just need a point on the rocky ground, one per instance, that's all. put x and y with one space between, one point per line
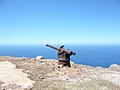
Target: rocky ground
47 75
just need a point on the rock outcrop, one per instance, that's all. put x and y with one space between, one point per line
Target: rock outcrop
13 78
114 67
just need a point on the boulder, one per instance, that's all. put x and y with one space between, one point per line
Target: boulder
115 67
39 57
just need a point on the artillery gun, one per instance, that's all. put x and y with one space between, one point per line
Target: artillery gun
63 55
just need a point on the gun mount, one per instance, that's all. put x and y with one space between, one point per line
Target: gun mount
63 55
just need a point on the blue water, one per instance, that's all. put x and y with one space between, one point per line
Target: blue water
89 55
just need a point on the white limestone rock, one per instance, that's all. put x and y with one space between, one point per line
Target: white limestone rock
13 78
114 67
39 57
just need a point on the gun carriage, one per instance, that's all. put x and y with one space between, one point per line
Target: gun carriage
63 55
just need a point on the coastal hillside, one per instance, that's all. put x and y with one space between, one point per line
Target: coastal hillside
17 73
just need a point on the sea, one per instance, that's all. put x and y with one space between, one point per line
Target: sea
93 55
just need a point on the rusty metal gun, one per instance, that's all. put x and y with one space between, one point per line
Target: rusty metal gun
63 55
61 49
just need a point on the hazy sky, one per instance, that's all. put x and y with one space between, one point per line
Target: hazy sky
36 22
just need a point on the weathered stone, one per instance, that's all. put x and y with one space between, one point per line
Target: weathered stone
60 66
13 77
115 67
39 57
98 67
41 77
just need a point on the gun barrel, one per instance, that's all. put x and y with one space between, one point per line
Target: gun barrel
52 47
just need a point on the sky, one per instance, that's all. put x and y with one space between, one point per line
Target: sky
36 22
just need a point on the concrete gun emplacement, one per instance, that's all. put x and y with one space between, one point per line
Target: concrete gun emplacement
63 55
